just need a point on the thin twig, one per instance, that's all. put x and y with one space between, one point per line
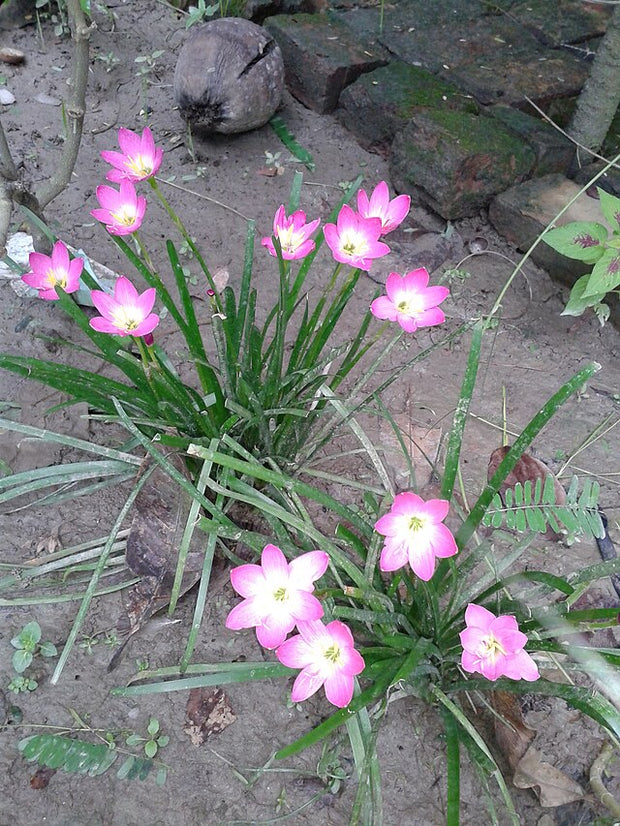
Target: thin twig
76 105
204 197
568 137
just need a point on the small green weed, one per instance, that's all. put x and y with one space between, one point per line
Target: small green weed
28 644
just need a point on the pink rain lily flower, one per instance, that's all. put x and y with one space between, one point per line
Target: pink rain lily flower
57 270
277 594
121 211
391 213
414 533
354 240
126 313
410 302
326 656
293 233
493 646
138 159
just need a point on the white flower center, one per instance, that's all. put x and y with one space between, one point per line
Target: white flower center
490 648
289 238
126 215
140 165
127 318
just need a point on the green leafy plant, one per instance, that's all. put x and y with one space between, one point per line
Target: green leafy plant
20 684
152 742
535 509
592 243
71 754
28 645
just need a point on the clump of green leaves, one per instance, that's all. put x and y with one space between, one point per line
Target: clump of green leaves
28 645
58 751
153 742
534 508
592 243
20 684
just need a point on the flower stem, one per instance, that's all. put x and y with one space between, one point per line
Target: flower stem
186 236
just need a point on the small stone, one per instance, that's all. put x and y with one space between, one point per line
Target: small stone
9 55
6 97
47 100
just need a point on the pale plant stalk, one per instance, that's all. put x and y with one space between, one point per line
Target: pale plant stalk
74 111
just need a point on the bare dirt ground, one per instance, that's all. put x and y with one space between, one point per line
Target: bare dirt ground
533 352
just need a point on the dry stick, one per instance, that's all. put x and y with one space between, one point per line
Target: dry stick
76 105
596 780
559 129
74 112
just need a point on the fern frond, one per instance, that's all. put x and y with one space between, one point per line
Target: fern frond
59 752
536 509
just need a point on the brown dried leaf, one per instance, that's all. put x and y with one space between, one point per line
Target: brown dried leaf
41 778
155 534
552 786
530 771
269 171
511 733
208 711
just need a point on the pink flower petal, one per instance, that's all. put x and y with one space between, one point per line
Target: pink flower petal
272 632
102 325
478 617
393 558
274 563
306 684
339 689
124 292
295 652
246 614
307 606
308 567
103 302
129 142
423 563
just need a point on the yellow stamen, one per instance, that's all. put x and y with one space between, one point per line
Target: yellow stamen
140 166
332 654
55 278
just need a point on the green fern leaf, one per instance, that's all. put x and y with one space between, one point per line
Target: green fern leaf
535 509
58 752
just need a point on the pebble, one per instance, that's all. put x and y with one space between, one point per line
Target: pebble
9 55
6 97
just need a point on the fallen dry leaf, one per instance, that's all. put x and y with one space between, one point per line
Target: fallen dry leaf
153 542
41 778
552 786
207 712
530 771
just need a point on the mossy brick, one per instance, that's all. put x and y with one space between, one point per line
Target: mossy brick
455 162
563 21
447 43
321 57
553 151
381 103
403 18
527 72
522 212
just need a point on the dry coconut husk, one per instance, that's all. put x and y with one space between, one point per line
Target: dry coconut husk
229 76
